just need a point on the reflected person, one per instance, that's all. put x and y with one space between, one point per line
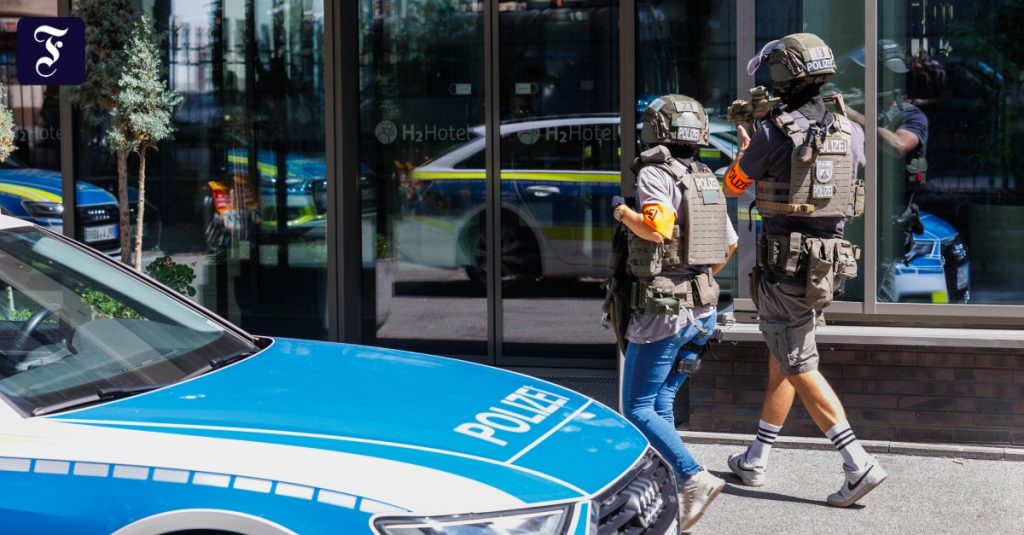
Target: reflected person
680 235
805 161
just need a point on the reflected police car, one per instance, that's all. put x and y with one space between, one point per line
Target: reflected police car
35 195
937 269
558 176
128 409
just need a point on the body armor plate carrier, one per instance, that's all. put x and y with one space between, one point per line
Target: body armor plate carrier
821 171
702 239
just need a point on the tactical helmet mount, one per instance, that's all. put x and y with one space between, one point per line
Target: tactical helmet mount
795 56
675 120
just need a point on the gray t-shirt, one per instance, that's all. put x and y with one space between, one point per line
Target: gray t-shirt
769 154
655 186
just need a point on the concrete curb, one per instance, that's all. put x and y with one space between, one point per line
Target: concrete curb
992 453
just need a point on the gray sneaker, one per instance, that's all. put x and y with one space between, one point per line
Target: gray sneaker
752 476
697 493
857 484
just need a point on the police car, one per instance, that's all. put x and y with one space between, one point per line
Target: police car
937 269
128 409
35 195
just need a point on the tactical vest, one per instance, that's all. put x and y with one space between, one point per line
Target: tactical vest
821 171
702 241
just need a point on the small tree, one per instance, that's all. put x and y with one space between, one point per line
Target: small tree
106 40
141 117
6 126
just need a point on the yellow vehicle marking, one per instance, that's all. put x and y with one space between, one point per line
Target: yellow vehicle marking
264 168
940 297
29 193
612 178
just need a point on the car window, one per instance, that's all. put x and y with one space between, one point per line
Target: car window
576 147
474 161
72 324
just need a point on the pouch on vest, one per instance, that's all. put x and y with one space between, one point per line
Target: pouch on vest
820 273
683 292
858 198
707 289
916 169
672 250
846 261
644 257
659 297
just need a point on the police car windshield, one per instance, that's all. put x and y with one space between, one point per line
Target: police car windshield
72 325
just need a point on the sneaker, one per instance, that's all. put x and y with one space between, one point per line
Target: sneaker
752 476
697 493
857 484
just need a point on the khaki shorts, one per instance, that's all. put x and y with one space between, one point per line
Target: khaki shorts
788 324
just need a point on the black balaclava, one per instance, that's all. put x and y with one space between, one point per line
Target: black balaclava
806 99
682 152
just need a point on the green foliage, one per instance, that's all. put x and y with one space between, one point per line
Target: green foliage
176 276
6 126
141 116
383 247
105 306
106 38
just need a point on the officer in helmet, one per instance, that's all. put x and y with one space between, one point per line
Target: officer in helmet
679 237
804 159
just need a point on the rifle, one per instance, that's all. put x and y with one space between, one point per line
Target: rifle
618 287
746 112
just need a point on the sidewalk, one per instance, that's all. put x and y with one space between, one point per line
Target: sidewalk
925 495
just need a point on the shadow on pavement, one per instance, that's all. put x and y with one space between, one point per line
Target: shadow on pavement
733 489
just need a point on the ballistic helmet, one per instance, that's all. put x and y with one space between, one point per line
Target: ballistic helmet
674 120
795 56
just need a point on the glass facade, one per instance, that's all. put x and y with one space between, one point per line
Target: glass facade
241 194
238 196
950 123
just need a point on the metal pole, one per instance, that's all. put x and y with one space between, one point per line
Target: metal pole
492 120
871 153
67 152
627 121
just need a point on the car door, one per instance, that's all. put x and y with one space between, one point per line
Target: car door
561 176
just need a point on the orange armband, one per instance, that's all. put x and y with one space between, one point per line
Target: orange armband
736 181
660 218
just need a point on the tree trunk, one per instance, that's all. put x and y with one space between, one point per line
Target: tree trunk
124 226
141 210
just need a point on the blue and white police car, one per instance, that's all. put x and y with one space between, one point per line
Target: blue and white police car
128 409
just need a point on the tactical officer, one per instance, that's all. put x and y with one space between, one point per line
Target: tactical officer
804 159
679 237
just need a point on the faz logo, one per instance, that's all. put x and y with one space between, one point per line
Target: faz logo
51 50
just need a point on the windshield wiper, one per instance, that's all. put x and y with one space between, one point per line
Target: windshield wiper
219 362
116 392
106 393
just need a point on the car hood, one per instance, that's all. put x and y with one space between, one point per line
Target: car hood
522 436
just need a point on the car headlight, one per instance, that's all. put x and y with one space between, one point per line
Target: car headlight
546 521
44 209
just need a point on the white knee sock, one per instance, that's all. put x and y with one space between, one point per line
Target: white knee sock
757 453
855 458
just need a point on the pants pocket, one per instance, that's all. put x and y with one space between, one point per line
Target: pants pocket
755 285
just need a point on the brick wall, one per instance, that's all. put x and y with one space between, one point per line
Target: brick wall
907 394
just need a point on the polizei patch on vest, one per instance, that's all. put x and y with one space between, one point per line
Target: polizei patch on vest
823 172
834 146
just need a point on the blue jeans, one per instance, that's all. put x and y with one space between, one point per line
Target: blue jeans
649 387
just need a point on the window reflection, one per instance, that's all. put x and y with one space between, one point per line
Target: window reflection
239 194
947 81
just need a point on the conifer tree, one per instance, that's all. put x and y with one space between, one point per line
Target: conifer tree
107 31
141 115
6 126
